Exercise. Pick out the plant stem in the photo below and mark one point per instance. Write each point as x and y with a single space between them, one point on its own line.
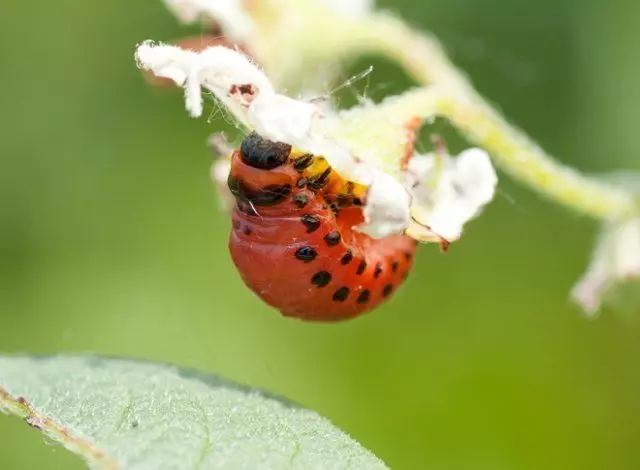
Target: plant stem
452 96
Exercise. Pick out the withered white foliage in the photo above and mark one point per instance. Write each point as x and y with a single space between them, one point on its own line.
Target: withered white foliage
615 261
431 204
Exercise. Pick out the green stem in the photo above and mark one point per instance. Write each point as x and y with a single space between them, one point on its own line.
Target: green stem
455 99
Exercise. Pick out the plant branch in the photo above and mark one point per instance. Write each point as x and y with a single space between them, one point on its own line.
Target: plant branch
454 98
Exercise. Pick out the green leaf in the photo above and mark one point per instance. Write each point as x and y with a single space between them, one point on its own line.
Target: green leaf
138 415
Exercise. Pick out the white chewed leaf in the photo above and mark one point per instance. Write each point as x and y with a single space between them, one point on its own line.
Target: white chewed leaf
615 262
238 83
448 192
283 119
230 15
387 208
229 74
139 415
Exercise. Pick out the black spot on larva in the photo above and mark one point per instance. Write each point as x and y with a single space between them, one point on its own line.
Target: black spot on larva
363 297
235 187
300 200
258 152
317 182
311 221
408 256
344 200
246 208
267 196
306 254
394 265
387 290
332 238
236 224
357 201
341 294
247 230
361 267
303 162
335 208
377 271
347 257
302 182
270 195
321 278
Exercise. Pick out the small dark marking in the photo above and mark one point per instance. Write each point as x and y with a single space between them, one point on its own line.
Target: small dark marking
459 190
236 224
335 208
361 267
394 265
377 271
311 221
317 182
247 230
332 238
347 257
321 278
363 297
387 290
267 196
246 208
134 424
341 294
306 254
34 422
300 200
344 200
303 162
245 89
350 186
408 256
302 182
357 201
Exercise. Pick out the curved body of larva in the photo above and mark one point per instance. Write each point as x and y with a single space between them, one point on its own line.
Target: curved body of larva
292 236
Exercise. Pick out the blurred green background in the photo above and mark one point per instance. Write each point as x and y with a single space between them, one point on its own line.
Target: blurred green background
112 242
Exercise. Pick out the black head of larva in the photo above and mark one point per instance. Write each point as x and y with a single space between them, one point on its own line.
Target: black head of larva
258 152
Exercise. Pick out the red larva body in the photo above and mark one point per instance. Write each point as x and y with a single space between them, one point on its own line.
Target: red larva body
299 252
